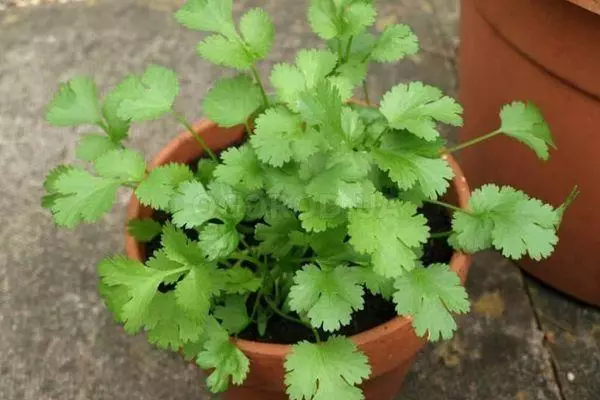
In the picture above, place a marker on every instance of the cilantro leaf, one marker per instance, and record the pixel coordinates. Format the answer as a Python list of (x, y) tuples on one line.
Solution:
[(159, 186), (283, 184), (318, 217), (144, 230), (239, 280), (358, 16), (75, 103), (352, 125), (429, 295), (509, 220), (327, 296), (409, 162), (275, 234), (81, 197), (141, 282), (329, 370), (206, 170), (123, 164), (118, 128), (233, 314), (149, 96), (375, 283), (279, 137), (395, 42), (258, 32), (240, 168), (179, 248), (524, 122), (218, 240), (322, 15), (315, 65), (196, 290), (288, 82), (208, 15), (390, 231), (226, 360), (92, 146), (49, 185), (160, 260), (321, 106), (415, 107), (223, 51), (232, 101)]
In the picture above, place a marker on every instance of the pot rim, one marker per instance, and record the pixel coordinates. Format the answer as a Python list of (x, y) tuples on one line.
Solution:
[(459, 262)]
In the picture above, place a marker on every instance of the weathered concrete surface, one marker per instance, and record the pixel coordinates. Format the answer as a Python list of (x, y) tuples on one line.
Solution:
[(58, 342)]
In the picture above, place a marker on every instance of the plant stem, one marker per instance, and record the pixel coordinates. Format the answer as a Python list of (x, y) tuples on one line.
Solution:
[(260, 84), (247, 125), (283, 315), (103, 126), (339, 48), (440, 235), (365, 86), (256, 302), (348, 49), (183, 121), (245, 257), (472, 141), (450, 206)]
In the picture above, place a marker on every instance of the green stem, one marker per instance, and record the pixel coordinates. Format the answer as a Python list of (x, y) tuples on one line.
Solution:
[(260, 84), (438, 235), (283, 315), (245, 257), (183, 121), (339, 47), (103, 126), (255, 307), (365, 86), (450, 206), (348, 49), (472, 141), (244, 242)]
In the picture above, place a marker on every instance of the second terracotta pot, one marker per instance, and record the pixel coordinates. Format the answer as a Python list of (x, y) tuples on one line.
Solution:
[(390, 347)]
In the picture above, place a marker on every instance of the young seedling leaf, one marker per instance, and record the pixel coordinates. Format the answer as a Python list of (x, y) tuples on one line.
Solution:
[(208, 15), (75, 103), (144, 230), (218, 240), (92, 146), (508, 220), (232, 101), (118, 128), (122, 164), (149, 96), (258, 32), (390, 231), (327, 370), (524, 122), (429, 295), (240, 168), (220, 50), (396, 41), (328, 297), (416, 107), (322, 15), (158, 188)]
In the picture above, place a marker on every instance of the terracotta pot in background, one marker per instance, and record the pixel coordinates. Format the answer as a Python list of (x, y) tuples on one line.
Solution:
[(546, 51), (391, 347)]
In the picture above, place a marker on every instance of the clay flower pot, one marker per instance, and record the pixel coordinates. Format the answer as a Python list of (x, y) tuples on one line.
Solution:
[(545, 51), (391, 347)]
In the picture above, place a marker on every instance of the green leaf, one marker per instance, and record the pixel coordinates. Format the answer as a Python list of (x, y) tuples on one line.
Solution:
[(141, 282), (232, 101), (329, 370), (524, 122), (233, 314), (352, 125), (275, 234), (118, 128), (288, 82), (206, 170), (193, 205), (239, 280), (322, 15), (283, 184), (168, 326), (218, 240), (196, 290), (279, 137), (208, 15), (228, 362), (240, 168), (149, 96), (144, 230), (123, 164), (407, 165), (258, 32), (159, 186), (321, 106), (318, 217), (396, 42), (82, 197), (390, 231), (222, 51), (161, 261), (327, 296), (179, 248), (90, 147), (429, 295), (358, 17), (416, 108), (355, 71), (375, 283), (49, 185), (75, 103), (315, 65), (509, 220)]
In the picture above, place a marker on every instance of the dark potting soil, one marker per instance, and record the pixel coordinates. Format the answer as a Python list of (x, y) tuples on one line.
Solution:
[(376, 310)]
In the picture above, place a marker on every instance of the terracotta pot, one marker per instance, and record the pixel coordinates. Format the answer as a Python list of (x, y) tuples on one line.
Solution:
[(391, 347), (545, 51)]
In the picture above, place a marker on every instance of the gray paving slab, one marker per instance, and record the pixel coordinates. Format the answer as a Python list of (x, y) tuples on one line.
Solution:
[(58, 342)]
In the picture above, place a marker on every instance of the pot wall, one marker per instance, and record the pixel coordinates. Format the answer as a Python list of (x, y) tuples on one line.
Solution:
[(390, 347), (545, 51)]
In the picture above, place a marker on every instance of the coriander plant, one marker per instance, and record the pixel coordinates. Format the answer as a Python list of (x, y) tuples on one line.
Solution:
[(319, 205)]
